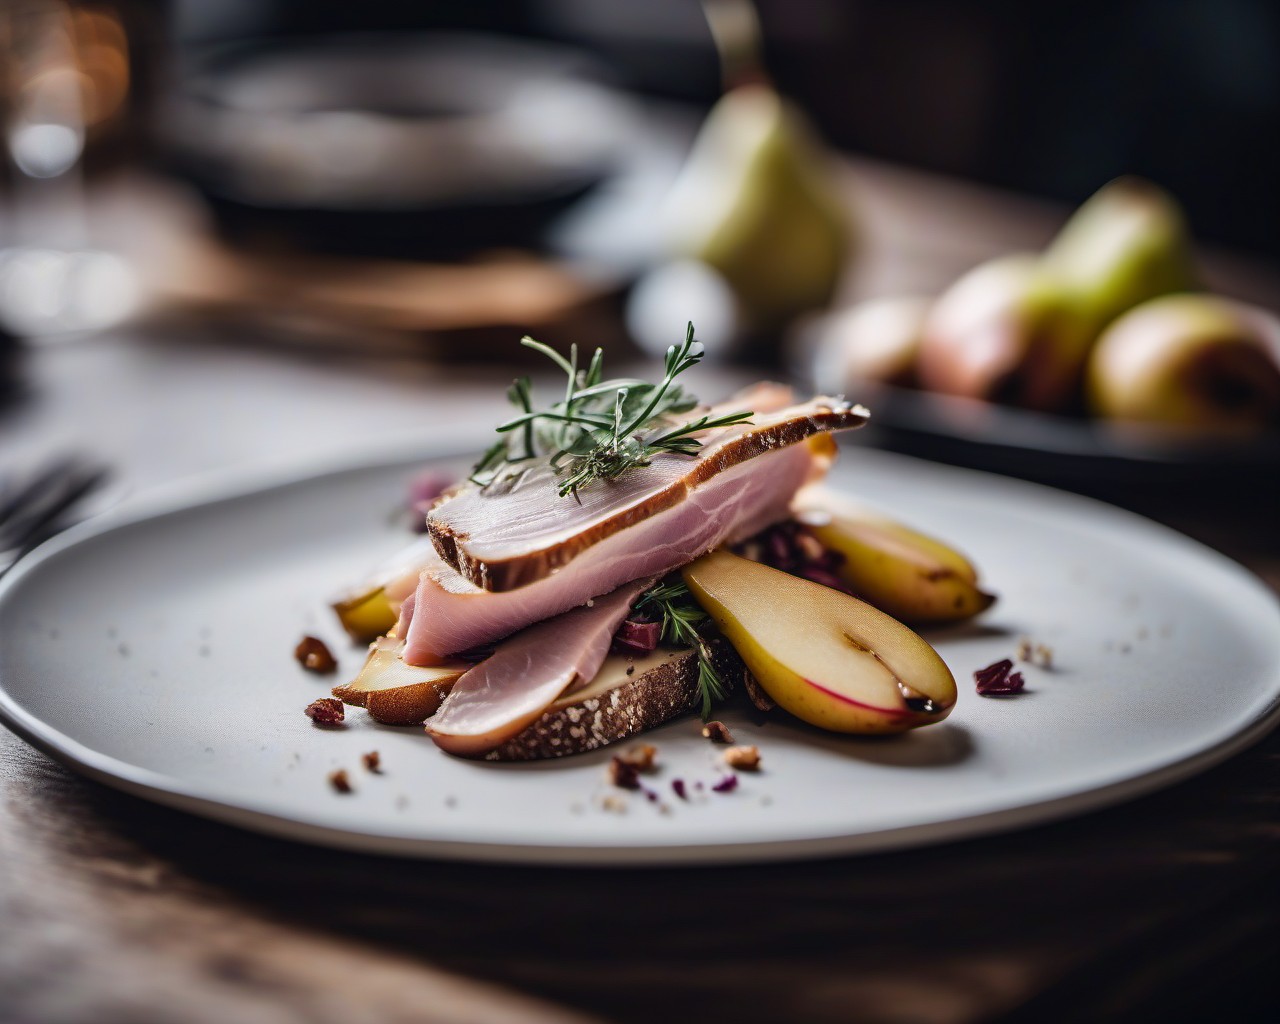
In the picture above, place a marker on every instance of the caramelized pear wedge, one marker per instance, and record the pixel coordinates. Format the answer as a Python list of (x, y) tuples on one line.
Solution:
[(370, 610), (828, 658), (395, 693), (366, 614), (904, 573)]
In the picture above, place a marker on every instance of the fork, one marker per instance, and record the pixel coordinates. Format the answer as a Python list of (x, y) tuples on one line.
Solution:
[(35, 508)]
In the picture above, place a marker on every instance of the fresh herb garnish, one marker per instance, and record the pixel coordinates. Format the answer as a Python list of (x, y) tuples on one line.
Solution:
[(600, 429), (684, 624)]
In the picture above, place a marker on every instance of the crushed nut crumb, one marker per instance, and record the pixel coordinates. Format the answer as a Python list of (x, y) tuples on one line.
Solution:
[(615, 804), (624, 774), (641, 758), (372, 762), (717, 732), (339, 781), (326, 711), (312, 654), (1034, 653), (744, 759)]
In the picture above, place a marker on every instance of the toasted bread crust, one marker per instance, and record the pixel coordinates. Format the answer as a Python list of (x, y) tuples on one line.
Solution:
[(639, 704)]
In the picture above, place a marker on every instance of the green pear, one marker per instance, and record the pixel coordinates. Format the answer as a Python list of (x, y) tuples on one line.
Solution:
[(1189, 361), (1005, 332), (755, 202), (1126, 244), (877, 340), (1019, 329)]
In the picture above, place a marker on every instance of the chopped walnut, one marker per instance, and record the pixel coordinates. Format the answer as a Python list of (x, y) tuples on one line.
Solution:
[(372, 761), (1035, 654), (744, 759), (314, 656), (717, 732), (624, 774), (326, 711), (641, 758), (339, 781)]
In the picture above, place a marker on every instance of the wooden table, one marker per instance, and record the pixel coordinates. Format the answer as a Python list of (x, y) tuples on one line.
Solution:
[(114, 910)]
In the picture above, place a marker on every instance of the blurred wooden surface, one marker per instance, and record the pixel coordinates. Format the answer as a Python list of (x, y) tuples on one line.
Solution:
[(114, 910)]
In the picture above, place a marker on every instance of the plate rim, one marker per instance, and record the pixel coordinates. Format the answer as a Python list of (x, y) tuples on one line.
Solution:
[(229, 486)]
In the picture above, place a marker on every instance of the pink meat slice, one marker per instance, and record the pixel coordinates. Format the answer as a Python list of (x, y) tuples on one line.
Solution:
[(516, 684), (450, 614), (507, 537)]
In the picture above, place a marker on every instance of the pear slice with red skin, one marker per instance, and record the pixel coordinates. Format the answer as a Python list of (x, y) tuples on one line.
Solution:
[(395, 693), (828, 658), (905, 573)]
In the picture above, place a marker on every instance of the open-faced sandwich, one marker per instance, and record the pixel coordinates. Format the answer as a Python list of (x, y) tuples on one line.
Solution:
[(625, 555)]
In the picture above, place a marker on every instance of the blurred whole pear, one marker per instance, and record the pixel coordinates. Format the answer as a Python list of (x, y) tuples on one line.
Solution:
[(1019, 329), (1126, 244), (754, 202), (876, 340), (1189, 360), (1004, 333)]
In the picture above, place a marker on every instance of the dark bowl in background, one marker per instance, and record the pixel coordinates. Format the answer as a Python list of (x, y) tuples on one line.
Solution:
[(429, 147)]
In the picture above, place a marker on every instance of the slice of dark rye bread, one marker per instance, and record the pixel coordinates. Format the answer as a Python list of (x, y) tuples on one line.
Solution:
[(628, 696)]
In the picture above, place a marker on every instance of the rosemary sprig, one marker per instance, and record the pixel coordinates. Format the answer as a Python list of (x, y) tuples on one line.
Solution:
[(600, 429), (684, 625)]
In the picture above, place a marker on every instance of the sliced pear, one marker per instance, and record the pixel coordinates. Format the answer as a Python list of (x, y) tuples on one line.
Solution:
[(371, 609), (904, 573), (366, 614), (395, 693), (828, 658)]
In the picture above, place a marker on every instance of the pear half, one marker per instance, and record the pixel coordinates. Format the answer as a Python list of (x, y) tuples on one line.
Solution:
[(828, 658), (905, 573)]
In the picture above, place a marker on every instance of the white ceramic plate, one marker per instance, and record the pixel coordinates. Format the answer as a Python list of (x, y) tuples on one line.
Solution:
[(154, 653)]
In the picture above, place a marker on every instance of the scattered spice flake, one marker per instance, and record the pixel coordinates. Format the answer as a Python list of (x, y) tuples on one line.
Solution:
[(726, 785), (743, 759), (642, 758), (624, 774), (326, 711), (372, 762), (998, 680), (312, 654), (717, 732), (678, 787), (339, 781), (1035, 654)]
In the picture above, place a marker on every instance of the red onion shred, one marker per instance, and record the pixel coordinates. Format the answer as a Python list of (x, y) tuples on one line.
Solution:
[(998, 680)]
